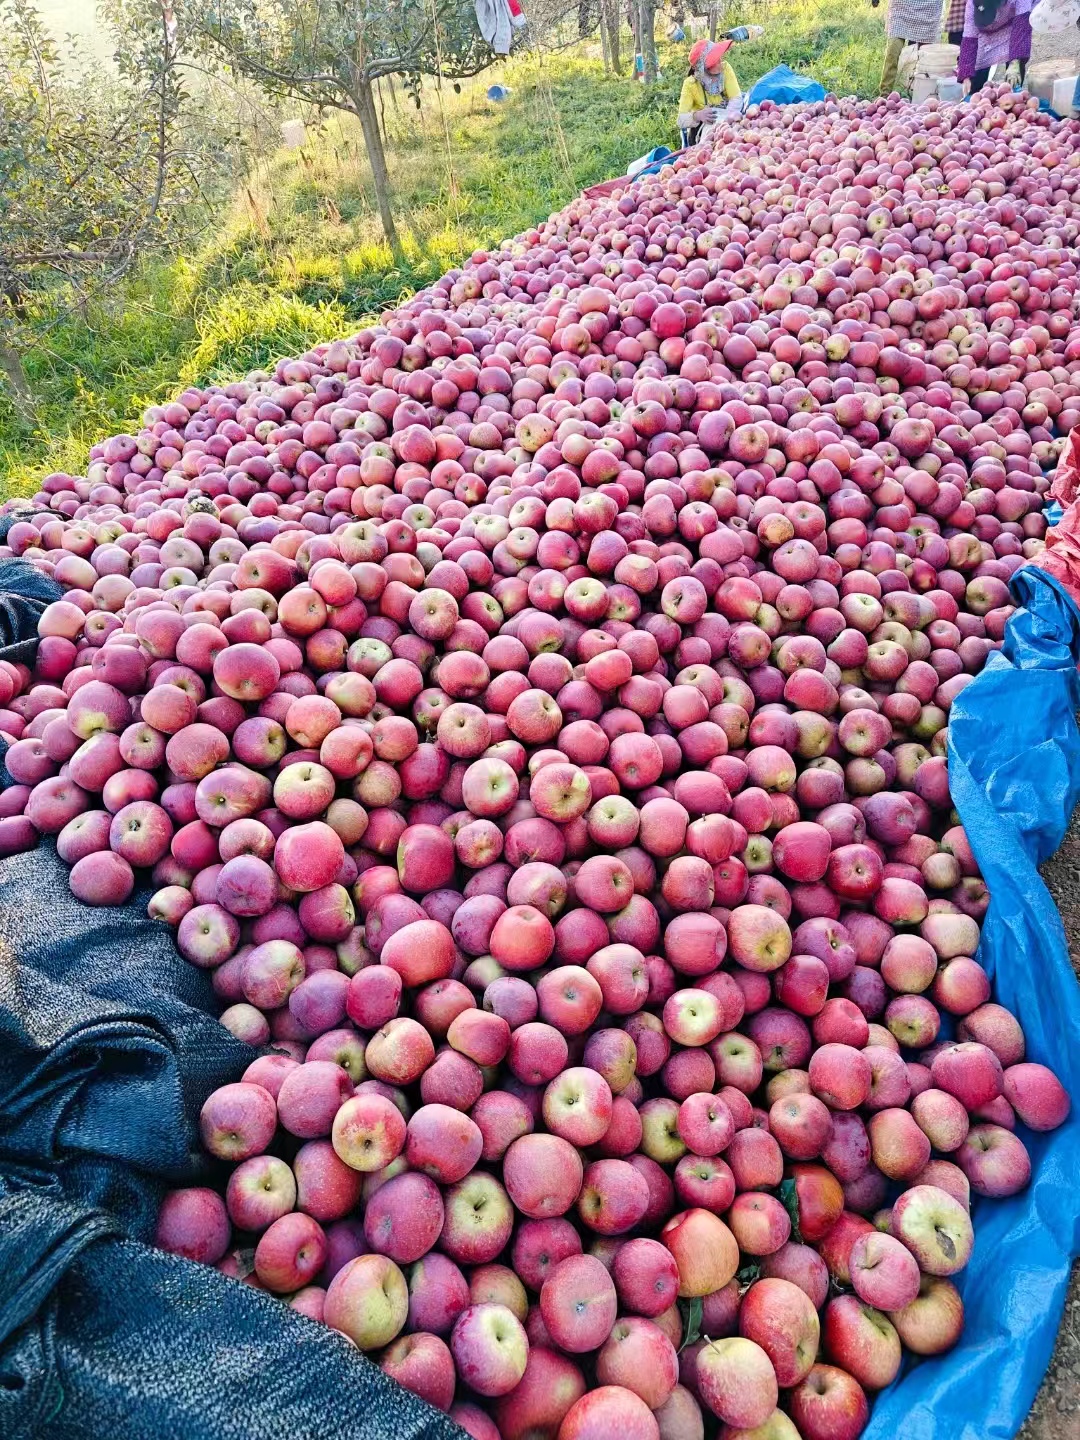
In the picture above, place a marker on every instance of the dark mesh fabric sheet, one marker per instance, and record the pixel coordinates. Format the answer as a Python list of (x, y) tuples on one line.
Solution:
[(24, 594)]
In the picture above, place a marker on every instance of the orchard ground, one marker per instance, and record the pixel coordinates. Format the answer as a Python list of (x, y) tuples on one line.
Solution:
[(1056, 1412)]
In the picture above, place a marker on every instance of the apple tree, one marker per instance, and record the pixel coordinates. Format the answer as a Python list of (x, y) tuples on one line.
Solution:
[(86, 164), (331, 53)]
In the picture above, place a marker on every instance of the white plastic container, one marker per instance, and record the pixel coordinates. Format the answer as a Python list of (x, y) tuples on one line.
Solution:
[(1061, 98), (1046, 81), (922, 87)]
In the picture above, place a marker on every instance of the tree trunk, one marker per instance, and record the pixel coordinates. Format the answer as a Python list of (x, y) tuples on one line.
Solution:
[(382, 112), (648, 41), (369, 123), (605, 48), (11, 367), (609, 19)]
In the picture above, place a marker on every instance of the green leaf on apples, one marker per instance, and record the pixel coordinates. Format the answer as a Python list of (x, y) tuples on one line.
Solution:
[(691, 1311), (749, 1273), (790, 1200)]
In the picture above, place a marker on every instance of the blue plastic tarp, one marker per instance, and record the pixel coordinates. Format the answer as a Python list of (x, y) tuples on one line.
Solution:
[(783, 87), (1014, 771)]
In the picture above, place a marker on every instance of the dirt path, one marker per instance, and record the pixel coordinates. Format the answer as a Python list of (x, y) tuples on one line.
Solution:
[(1056, 1412), (1055, 47)]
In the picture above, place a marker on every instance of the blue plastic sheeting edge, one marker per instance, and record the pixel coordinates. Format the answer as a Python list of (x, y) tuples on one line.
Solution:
[(1014, 770), (1053, 511), (784, 87), (659, 157)]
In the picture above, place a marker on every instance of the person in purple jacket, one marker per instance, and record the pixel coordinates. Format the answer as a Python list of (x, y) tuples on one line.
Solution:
[(995, 32)]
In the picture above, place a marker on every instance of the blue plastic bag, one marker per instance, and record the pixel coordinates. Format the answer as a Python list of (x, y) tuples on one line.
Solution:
[(784, 87), (657, 158), (1014, 770)]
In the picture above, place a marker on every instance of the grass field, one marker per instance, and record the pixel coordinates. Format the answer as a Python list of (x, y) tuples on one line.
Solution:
[(297, 256)]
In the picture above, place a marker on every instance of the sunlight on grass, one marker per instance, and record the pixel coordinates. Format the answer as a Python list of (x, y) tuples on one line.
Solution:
[(246, 329)]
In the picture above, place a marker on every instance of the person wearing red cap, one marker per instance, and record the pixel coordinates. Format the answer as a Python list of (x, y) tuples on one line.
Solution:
[(709, 83)]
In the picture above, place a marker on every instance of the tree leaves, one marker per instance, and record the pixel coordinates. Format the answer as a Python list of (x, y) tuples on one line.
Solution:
[(97, 165), (82, 156), (790, 1200), (319, 49), (691, 1312)]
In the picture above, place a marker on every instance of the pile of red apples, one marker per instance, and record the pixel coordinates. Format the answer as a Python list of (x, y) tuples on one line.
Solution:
[(532, 713)]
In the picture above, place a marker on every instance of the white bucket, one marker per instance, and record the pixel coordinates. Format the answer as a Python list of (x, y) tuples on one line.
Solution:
[(1062, 97)]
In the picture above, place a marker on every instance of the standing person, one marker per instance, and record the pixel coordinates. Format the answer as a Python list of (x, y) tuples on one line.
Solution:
[(710, 83), (954, 21), (909, 22), (995, 32)]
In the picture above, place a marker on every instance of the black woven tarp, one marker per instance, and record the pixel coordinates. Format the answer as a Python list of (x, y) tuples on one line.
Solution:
[(24, 594), (108, 1046)]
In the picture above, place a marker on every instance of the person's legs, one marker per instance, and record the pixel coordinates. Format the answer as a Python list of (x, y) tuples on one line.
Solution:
[(955, 36), (979, 79), (893, 50)]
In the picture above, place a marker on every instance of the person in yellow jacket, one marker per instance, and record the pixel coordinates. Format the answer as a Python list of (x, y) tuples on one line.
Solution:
[(709, 84)]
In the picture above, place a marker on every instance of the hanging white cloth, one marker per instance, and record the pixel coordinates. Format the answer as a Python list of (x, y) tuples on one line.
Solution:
[(493, 18)]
